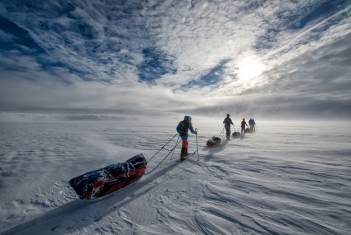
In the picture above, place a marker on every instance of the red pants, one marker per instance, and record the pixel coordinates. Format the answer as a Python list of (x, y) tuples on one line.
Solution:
[(184, 147)]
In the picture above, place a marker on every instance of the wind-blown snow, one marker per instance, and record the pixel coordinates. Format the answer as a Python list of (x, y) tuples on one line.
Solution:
[(287, 178)]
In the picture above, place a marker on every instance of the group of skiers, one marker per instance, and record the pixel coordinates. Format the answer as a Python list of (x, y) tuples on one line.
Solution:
[(186, 125), (228, 122)]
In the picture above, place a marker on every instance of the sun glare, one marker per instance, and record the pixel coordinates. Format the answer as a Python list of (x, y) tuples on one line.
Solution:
[(249, 67)]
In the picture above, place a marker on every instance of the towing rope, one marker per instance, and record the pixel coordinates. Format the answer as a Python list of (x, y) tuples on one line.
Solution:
[(222, 132), (170, 151), (163, 147)]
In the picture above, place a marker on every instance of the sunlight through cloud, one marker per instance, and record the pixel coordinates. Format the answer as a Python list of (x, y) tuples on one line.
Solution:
[(249, 67)]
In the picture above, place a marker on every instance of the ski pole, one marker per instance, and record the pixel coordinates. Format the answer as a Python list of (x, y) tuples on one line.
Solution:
[(197, 146)]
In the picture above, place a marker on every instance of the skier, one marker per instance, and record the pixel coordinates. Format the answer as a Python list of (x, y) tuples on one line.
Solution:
[(243, 124), (182, 130), (227, 122), (252, 124)]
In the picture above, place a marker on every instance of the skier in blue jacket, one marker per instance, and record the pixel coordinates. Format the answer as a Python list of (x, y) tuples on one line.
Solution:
[(182, 130)]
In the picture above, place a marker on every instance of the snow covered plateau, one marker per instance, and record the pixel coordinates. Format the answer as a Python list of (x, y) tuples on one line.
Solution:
[(290, 177)]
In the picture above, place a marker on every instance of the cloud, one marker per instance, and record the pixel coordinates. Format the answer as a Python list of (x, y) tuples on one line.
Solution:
[(136, 56), (296, 17), (211, 77)]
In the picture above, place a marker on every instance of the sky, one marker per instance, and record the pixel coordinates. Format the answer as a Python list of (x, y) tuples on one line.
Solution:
[(264, 58)]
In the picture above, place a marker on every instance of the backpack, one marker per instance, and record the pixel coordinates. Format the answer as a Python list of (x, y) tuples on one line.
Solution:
[(183, 127)]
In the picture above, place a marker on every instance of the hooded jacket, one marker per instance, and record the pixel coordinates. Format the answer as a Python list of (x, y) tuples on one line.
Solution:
[(184, 126)]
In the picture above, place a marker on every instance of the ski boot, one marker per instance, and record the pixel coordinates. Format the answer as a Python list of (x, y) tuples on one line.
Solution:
[(183, 154)]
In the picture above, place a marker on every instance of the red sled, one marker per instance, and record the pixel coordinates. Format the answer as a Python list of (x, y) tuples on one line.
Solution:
[(109, 179)]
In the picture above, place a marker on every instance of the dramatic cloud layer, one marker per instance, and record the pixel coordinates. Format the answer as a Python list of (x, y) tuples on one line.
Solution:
[(277, 58)]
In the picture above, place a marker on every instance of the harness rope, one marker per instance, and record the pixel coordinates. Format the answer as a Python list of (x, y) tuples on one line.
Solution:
[(163, 147), (222, 132), (171, 151)]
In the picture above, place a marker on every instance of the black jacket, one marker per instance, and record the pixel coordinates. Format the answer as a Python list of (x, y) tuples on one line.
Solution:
[(227, 121), (243, 124)]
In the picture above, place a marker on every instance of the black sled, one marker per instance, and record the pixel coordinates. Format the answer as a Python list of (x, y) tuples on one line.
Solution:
[(236, 134), (213, 142)]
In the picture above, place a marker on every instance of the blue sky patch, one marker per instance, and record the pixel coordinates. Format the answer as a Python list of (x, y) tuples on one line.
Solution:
[(155, 64), (213, 76), (299, 18), (324, 10), (17, 37)]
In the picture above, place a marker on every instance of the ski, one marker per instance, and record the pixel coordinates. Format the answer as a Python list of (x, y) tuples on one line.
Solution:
[(188, 156)]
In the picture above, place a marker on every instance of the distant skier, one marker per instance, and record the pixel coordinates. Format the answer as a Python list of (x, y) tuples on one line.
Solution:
[(252, 124), (182, 130), (227, 122), (243, 125)]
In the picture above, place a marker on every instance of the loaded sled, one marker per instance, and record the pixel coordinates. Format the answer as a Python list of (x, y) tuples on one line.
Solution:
[(236, 134), (249, 130), (111, 178), (214, 141)]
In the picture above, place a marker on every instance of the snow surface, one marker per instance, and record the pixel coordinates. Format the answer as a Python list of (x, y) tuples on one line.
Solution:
[(287, 178)]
